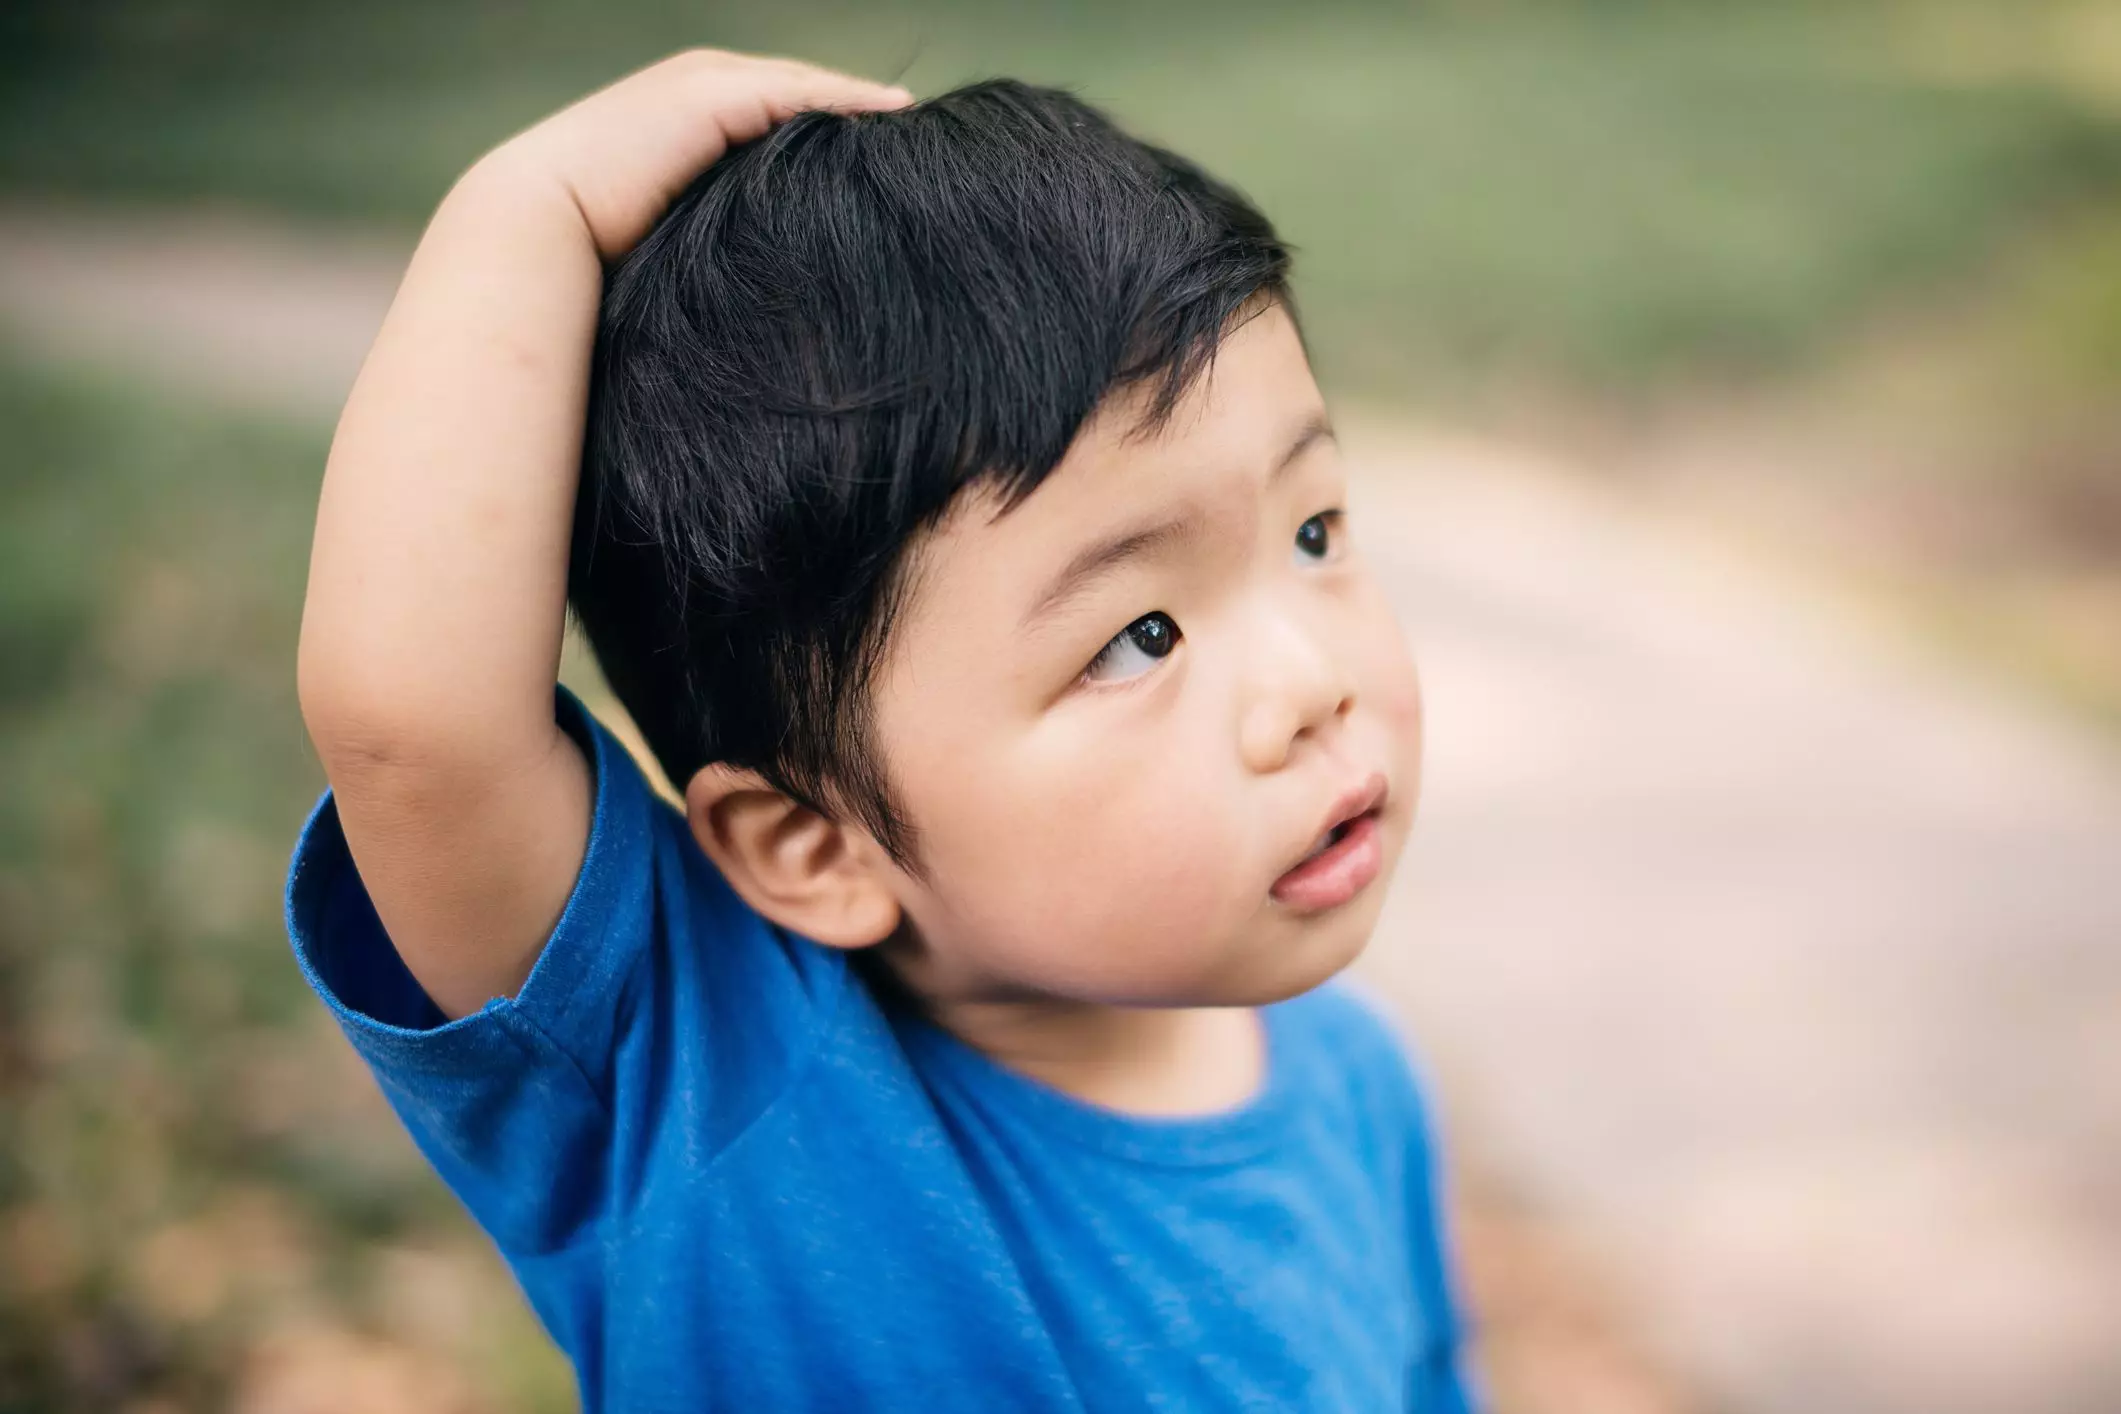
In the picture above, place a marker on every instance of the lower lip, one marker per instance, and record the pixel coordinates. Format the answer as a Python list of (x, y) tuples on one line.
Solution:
[(1344, 870)]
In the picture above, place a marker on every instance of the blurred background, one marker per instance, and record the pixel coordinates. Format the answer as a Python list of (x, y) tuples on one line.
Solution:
[(1735, 396)]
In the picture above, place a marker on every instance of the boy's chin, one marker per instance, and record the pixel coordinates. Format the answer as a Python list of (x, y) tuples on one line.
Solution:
[(1292, 970)]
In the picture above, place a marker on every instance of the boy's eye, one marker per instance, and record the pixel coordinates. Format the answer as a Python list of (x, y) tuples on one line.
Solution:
[(1134, 649), (1315, 536)]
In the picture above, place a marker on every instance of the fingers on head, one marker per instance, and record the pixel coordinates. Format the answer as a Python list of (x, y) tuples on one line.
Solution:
[(793, 86), (820, 88)]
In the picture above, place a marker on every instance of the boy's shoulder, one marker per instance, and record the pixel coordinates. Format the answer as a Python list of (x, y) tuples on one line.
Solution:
[(1350, 1043)]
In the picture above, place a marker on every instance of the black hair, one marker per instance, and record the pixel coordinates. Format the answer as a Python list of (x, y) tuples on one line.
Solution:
[(829, 335)]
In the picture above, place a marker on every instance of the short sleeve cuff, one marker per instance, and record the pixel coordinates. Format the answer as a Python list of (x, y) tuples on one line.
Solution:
[(569, 997)]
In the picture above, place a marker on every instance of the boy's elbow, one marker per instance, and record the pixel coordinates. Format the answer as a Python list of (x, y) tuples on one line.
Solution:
[(387, 738), (359, 743), (366, 729)]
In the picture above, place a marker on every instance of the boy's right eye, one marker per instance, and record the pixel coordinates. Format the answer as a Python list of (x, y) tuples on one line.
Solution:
[(1134, 649)]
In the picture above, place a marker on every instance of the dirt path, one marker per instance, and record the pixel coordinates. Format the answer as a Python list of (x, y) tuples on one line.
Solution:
[(1785, 965), (1773, 970)]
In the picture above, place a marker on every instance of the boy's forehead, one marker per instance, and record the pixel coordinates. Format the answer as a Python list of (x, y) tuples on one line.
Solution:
[(1219, 447), (973, 606)]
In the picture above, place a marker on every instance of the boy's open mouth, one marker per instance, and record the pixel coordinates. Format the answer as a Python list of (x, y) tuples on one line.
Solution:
[(1328, 839), (1346, 856)]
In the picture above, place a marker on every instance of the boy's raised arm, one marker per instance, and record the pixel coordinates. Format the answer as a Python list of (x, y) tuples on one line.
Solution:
[(437, 590)]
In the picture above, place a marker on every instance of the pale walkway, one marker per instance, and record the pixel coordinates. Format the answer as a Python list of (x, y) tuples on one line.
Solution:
[(1781, 969)]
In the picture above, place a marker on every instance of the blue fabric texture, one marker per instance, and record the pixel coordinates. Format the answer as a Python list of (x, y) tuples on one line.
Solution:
[(729, 1175)]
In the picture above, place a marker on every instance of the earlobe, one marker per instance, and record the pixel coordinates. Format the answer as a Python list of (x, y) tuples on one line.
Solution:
[(815, 876)]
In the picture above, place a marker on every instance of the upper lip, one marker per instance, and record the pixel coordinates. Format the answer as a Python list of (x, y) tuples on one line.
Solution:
[(1361, 798)]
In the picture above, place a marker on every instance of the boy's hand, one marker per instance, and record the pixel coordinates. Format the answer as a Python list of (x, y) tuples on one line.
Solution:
[(438, 581), (625, 152)]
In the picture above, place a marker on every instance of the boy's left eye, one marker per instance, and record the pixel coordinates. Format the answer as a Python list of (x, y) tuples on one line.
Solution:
[(1314, 538)]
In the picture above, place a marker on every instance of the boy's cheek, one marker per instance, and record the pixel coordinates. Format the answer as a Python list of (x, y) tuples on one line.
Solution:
[(1098, 881), (1082, 927), (1405, 703), (1387, 674), (1388, 679)]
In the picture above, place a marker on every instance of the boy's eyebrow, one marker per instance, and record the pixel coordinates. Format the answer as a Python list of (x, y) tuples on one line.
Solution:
[(1315, 429), (1095, 560), (1092, 562)]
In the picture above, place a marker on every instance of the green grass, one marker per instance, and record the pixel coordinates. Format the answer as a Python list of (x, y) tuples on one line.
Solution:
[(166, 1084), (1619, 193)]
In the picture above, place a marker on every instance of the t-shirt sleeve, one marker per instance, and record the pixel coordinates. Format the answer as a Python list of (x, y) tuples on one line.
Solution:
[(662, 1013)]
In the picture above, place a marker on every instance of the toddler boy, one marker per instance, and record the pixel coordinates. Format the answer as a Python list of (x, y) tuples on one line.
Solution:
[(961, 525)]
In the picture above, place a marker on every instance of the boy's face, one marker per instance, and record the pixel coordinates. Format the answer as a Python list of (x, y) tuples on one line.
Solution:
[(1120, 715)]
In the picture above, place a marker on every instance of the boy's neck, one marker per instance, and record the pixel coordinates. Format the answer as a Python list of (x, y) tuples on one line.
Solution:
[(1149, 1061)]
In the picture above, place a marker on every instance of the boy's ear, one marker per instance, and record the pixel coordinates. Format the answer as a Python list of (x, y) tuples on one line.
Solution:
[(827, 881)]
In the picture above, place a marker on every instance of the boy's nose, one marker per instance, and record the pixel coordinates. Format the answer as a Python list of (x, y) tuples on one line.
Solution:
[(1297, 688)]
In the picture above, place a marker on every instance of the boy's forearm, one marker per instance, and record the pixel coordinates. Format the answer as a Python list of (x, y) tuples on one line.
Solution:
[(437, 587)]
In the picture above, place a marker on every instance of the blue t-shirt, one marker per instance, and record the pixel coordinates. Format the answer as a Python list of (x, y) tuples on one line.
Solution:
[(729, 1175)]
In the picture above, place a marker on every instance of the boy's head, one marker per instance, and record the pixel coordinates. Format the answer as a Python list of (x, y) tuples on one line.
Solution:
[(961, 527)]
